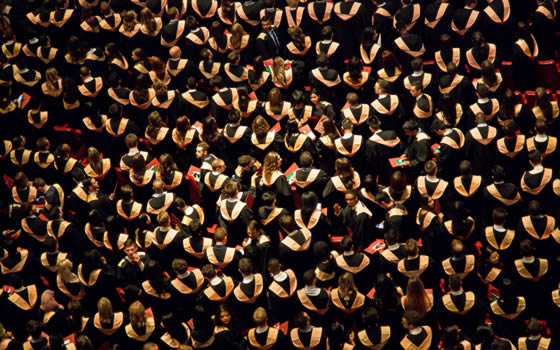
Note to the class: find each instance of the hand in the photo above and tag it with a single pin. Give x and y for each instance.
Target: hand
(254, 180)
(244, 244)
(337, 209)
(136, 258)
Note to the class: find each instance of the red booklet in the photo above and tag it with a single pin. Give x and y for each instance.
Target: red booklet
(291, 171)
(276, 128)
(307, 130)
(319, 126)
(399, 162)
(194, 172)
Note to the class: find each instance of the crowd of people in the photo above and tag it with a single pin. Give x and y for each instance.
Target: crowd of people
(278, 174)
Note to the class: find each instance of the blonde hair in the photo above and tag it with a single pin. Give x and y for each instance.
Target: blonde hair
(279, 71)
(64, 269)
(137, 314)
(346, 286)
(270, 165)
(129, 20)
(95, 160)
(275, 99)
(237, 33)
(52, 77)
(148, 21)
(105, 309)
(416, 297)
(158, 66)
(160, 88)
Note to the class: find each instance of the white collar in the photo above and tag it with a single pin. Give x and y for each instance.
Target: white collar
(449, 131)
(459, 292)
(394, 246)
(419, 96)
(217, 280)
(528, 259)
(347, 136)
(432, 179)
(312, 291)
(350, 253)
(133, 151)
(261, 329)
(536, 170)
(481, 125)
(541, 137)
(281, 276)
(185, 275)
(483, 100)
(248, 279)
(417, 73)
(499, 228)
(382, 96)
(223, 89)
(415, 331)
(88, 79)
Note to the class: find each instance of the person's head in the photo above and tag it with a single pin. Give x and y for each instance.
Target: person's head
(268, 199)
(482, 91)
(526, 248)
(370, 317)
(439, 127)
(266, 22)
(163, 219)
(245, 267)
(410, 128)
(391, 237)
(260, 317)
(450, 338)
(509, 128)
(309, 202)
(302, 320)
(381, 87)
(180, 266)
(34, 329)
(137, 314)
(534, 208)
(218, 165)
(130, 249)
(157, 186)
(220, 236)
(411, 248)
(535, 158)
(540, 126)
(287, 223)
(454, 283)
(223, 315)
(411, 319)
(498, 173)
(485, 333)
(231, 189)
(534, 327)
(431, 168)
(499, 216)
(347, 244)
(351, 197)
(457, 248)
(416, 90)
(208, 271)
(417, 64)
(202, 150)
(305, 159)
(352, 98)
(105, 309)
(274, 266)
(347, 126)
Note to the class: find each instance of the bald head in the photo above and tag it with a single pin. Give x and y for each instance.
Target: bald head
(175, 52)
